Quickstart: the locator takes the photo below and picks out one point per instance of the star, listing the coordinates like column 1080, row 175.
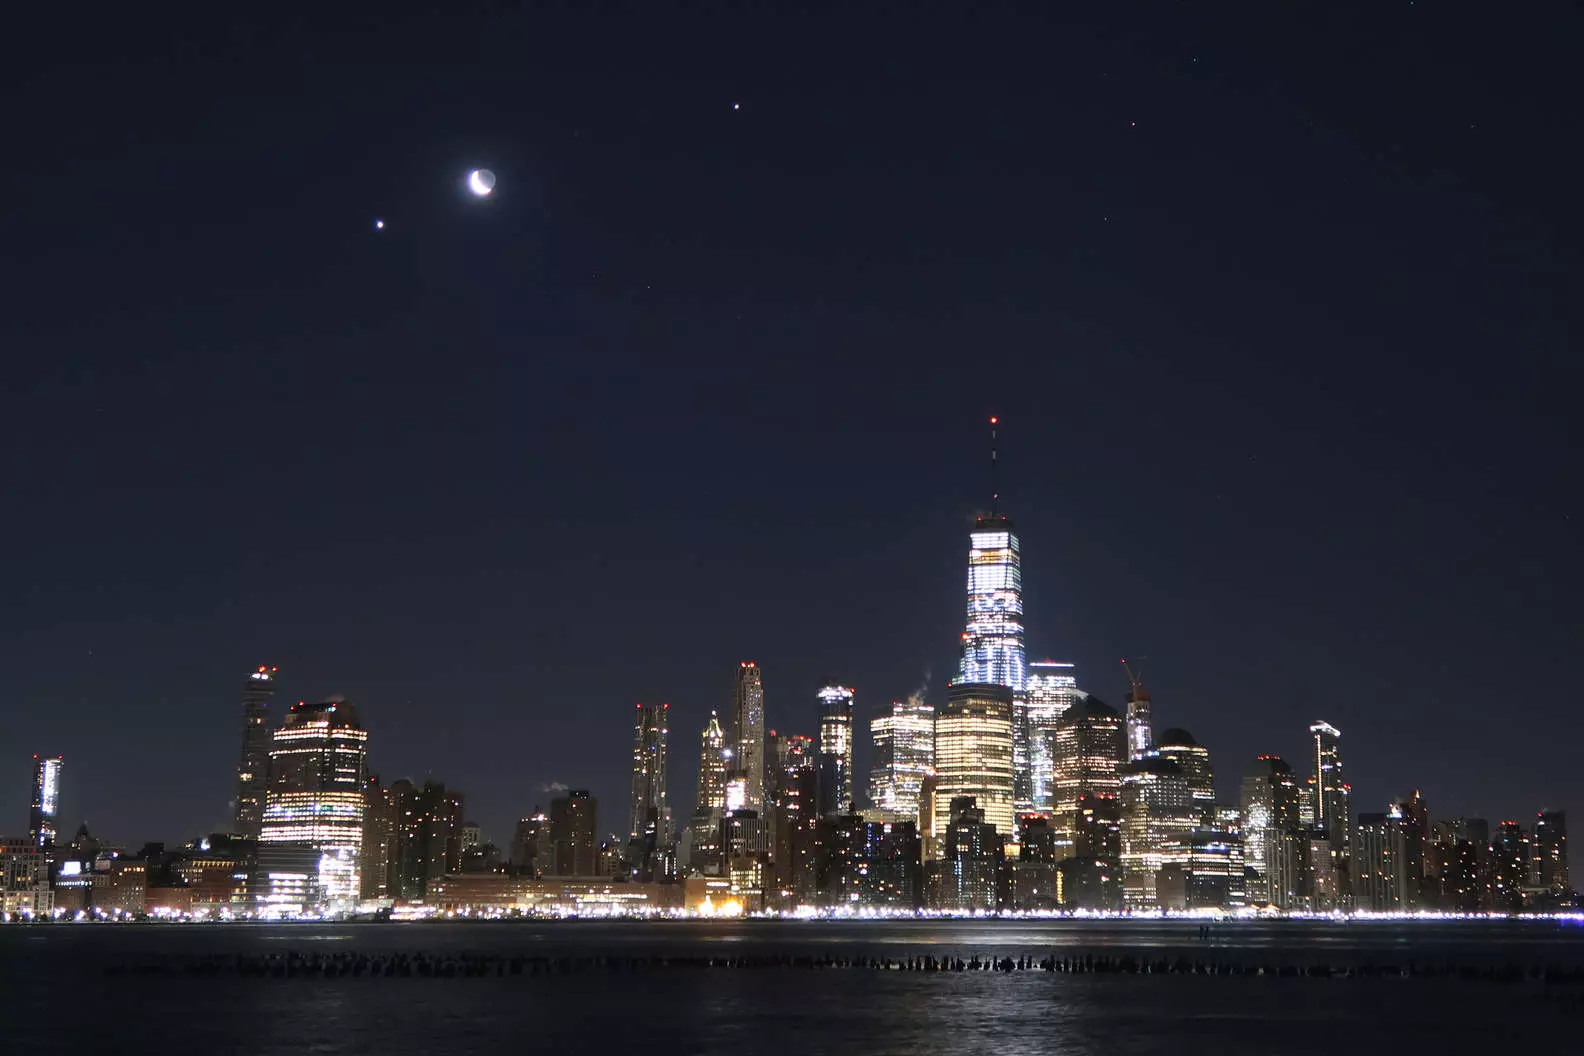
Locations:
column 379, row 225
column 736, row 106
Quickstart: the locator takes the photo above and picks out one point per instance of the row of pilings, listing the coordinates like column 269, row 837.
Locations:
column 313, row 965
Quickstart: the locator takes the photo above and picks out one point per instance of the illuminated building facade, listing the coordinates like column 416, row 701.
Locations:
column 1091, row 744
column 835, row 748
column 44, row 811
column 1460, row 851
column 967, row 878
column 1158, row 815
column 379, row 840
column 532, row 853
column 1207, row 873
column 315, row 798
column 794, row 821
column 1271, row 822
column 904, row 755
column 428, row 838
column 649, row 823
column 1379, row 876
column 1330, row 796
column 713, row 756
column 1550, row 872
column 25, row 888
column 866, row 864
column 1510, row 853
column 573, row 824
column 992, row 644
column 748, row 733
column 1193, row 759
column 1052, row 689
column 253, row 765
column 973, row 754
column 1140, row 722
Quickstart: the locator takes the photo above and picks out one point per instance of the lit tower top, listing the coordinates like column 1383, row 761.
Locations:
column 992, row 644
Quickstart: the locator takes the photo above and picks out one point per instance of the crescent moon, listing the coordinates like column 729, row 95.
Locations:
column 481, row 182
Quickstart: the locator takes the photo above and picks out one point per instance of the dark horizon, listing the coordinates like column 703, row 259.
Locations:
column 1276, row 309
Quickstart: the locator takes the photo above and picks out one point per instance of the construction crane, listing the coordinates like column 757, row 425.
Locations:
column 1140, row 724
column 1137, row 682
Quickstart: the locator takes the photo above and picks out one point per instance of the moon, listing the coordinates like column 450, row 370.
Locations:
column 481, row 182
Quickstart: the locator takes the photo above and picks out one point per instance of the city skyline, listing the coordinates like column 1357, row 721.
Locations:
column 1281, row 346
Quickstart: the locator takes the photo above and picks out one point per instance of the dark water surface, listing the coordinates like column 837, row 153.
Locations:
column 58, row 997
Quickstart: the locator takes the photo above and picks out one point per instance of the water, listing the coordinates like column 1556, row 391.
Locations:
column 59, row 999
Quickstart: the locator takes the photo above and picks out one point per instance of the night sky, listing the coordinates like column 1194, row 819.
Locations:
column 1278, row 305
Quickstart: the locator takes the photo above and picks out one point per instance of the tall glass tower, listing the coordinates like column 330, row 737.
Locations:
column 315, row 799
column 748, row 733
column 835, row 748
column 992, row 644
column 1052, row 689
column 651, row 812
column 45, row 808
column 253, row 767
column 904, row 755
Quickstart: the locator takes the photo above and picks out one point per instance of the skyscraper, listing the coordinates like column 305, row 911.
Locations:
column 1052, row 689
column 835, row 748
column 1550, row 871
column 992, row 645
column 1510, row 853
column 1271, row 822
column 428, row 837
column 573, row 823
column 315, row 799
column 44, row 812
column 748, row 732
column 1158, row 815
column 379, row 839
column 904, row 755
column 713, row 756
column 1193, row 758
column 1140, row 721
column 650, row 819
column 1330, row 796
column 973, row 754
column 1379, row 877
column 253, row 766
column 1091, row 743
column 794, row 820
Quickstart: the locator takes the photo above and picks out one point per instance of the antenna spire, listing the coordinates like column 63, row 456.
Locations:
column 995, row 480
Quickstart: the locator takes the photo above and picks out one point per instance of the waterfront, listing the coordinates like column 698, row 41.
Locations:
column 48, row 968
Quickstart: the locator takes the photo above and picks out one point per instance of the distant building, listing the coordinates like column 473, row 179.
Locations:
column 649, row 825
column 1379, row 876
column 794, row 823
column 532, row 852
column 25, row 888
column 992, row 643
column 1330, row 798
column 1193, row 759
column 835, row 748
column 1091, row 744
column 904, row 756
column 968, row 876
column 1550, row 871
column 973, row 754
column 44, row 812
column 1271, row 822
column 253, row 766
column 428, row 838
column 1052, row 689
column 1140, row 723
column 379, row 840
column 868, row 865
column 1510, row 854
column 573, row 824
column 1158, row 814
column 1460, row 851
column 748, row 732
column 315, row 798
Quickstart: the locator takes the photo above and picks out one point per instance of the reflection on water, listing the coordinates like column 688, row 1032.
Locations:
column 53, row 981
